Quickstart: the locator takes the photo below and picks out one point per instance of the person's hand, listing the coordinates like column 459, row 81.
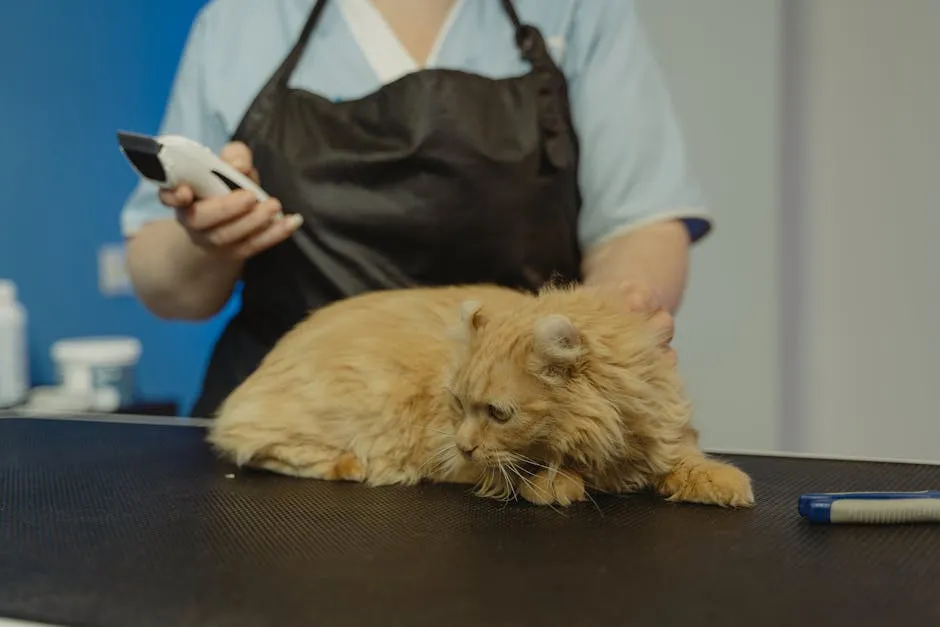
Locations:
column 638, row 297
column 236, row 225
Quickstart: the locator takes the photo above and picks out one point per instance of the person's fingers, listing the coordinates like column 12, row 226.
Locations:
column 178, row 197
column 637, row 297
column 255, row 221
column 212, row 212
column 279, row 231
column 665, row 325
column 628, row 296
column 238, row 155
column 672, row 357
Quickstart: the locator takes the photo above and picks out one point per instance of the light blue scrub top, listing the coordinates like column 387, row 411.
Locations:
column 634, row 166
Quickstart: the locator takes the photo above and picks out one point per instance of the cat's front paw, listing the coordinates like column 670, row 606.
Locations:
column 548, row 488
column 708, row 481
column 347, row 467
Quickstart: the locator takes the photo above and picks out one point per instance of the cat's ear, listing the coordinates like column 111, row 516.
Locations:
column 558, row 347
column 471, row 312
column 472, row 319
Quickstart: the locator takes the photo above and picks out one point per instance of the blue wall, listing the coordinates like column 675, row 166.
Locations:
column 71, row 74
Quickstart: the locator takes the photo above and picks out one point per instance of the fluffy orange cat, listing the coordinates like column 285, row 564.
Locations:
column 544, row 396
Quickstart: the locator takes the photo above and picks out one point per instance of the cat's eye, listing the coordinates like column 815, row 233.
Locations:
column 497, row 413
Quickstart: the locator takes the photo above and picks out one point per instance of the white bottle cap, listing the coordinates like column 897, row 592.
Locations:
column 7, row 292
column 107, row 352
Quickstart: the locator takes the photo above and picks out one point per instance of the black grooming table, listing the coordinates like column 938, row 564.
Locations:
column 129, row 524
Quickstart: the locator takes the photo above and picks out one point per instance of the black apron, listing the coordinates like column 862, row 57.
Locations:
column 440, row 177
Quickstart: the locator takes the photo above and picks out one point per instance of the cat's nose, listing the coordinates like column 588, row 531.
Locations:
column 467, row 451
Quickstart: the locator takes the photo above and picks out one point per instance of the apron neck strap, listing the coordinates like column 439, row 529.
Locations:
column 510, row 10
column 293, row 58
column 528, row 39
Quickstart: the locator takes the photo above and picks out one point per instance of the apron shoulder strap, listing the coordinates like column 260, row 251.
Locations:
column 560, row 148
column 528, row 39
column 286, row 70
column 261, row 106
column 510, row 10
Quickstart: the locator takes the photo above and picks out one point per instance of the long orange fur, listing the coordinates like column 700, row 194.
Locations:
column 544, row 396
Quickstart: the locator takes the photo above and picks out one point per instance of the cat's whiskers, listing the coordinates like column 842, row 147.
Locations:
column 439, row 431
column 502, row 493
column 535, row 488
column 509, row 484
column 526, row 460
column 489, row 486
column 554, row 469
column 434, row 457
column 484, row 485
column 440, row 459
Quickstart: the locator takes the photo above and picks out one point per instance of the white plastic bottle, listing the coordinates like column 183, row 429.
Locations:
column 14, row 362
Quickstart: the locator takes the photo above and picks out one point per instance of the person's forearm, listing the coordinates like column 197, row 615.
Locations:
column 656, row 255
column 174, row 278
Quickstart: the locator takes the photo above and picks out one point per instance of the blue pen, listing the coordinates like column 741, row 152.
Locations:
column 871, row 507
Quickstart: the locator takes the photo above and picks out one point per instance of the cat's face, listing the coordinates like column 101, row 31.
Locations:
column 501, row 416
column 521, row 394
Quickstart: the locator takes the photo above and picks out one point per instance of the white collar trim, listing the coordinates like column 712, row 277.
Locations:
column 378, row 43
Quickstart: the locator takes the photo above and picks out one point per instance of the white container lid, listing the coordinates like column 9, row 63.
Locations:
column 7, row 292
column 98, row 351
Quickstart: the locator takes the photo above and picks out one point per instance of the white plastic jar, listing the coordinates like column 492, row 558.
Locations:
column 14, row 360
column 94, row 364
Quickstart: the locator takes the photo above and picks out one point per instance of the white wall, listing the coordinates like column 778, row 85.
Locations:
column 722, row 59
column 868, row 172
column 813, row 317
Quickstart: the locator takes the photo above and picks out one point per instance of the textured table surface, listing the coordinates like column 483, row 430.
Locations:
column 105, row 524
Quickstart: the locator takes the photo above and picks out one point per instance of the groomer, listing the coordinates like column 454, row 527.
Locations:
column 414, row 142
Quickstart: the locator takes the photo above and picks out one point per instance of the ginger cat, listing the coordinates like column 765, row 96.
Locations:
column 541, row 396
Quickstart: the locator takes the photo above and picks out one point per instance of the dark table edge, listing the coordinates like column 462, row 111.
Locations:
column 135, row 419
column 205, row 422
column 20, row 622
